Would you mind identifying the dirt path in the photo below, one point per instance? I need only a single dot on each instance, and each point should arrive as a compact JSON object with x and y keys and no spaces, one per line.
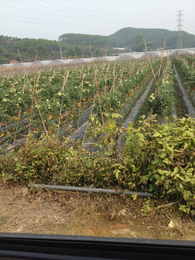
{"x":72,"y":213}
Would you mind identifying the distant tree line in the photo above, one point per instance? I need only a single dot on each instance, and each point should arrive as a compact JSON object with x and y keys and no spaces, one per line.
{"x":78,"y":45}
{"x":13,"y":48}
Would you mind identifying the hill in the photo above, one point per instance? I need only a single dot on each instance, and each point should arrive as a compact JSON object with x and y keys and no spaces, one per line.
{"x":126,"y":37}
{"x":86,"y":40}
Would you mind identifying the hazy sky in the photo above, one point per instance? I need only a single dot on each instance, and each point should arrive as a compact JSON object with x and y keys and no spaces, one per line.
{"x":51,"y":18}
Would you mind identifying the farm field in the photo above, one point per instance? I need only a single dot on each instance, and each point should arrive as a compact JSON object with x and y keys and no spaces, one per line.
{"x":55,"y":100}
{"x":114,"y":125}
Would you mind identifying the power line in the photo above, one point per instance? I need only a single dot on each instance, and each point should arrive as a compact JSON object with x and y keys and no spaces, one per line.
{"x":78,"y":13}
{"x":97,"y":7}
{"x":58,"y":15}
{"x":107,"y":20}
{"x":108,"y":11}
{"x":34,"y":22}
{"x":52,"y":22}
{"x":52,"y":14}
{"x":189,"y":23}
{"x":88,"y":10}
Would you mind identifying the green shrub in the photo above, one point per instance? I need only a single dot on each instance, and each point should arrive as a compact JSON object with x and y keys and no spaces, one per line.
{"x":156,"y":158}
{"x":162,"y":159}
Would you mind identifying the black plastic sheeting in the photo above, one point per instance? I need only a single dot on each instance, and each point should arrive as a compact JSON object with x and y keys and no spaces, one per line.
{"x":186,"y":101}
{"x":34,"y":246}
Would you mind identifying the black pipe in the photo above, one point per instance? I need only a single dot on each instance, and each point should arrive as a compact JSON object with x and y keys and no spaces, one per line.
{"x":88,"y":189}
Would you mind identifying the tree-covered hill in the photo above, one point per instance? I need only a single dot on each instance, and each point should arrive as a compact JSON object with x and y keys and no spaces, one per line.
{"x":27,"y":48}
{"x":86,"y":40}
{"x":126,"y":36}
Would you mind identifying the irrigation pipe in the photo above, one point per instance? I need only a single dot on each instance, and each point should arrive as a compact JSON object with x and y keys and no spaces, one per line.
{"x":95,"y":190}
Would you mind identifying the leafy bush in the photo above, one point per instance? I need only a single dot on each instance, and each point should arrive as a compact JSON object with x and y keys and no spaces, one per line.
{"x":161,"y":159}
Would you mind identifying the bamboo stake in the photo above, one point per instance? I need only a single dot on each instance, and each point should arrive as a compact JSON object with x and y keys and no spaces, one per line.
{"x":81,"y":93}
{"x":41,"y":117}
{"x":162,"y":58}
{"x":113,"y":81}
{"x":156,"y":82}
{"x":98,"y":82}
{"x":63,"y":86}
{"x":32,"y":104}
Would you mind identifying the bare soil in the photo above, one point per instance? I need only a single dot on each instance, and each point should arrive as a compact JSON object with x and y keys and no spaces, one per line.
{"x":24,"y":210}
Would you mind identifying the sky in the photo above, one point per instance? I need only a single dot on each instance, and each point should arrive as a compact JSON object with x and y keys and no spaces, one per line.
{"x":48,"y":19}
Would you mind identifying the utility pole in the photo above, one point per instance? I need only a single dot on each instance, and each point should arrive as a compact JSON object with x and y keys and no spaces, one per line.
{"x":179,"y":32}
